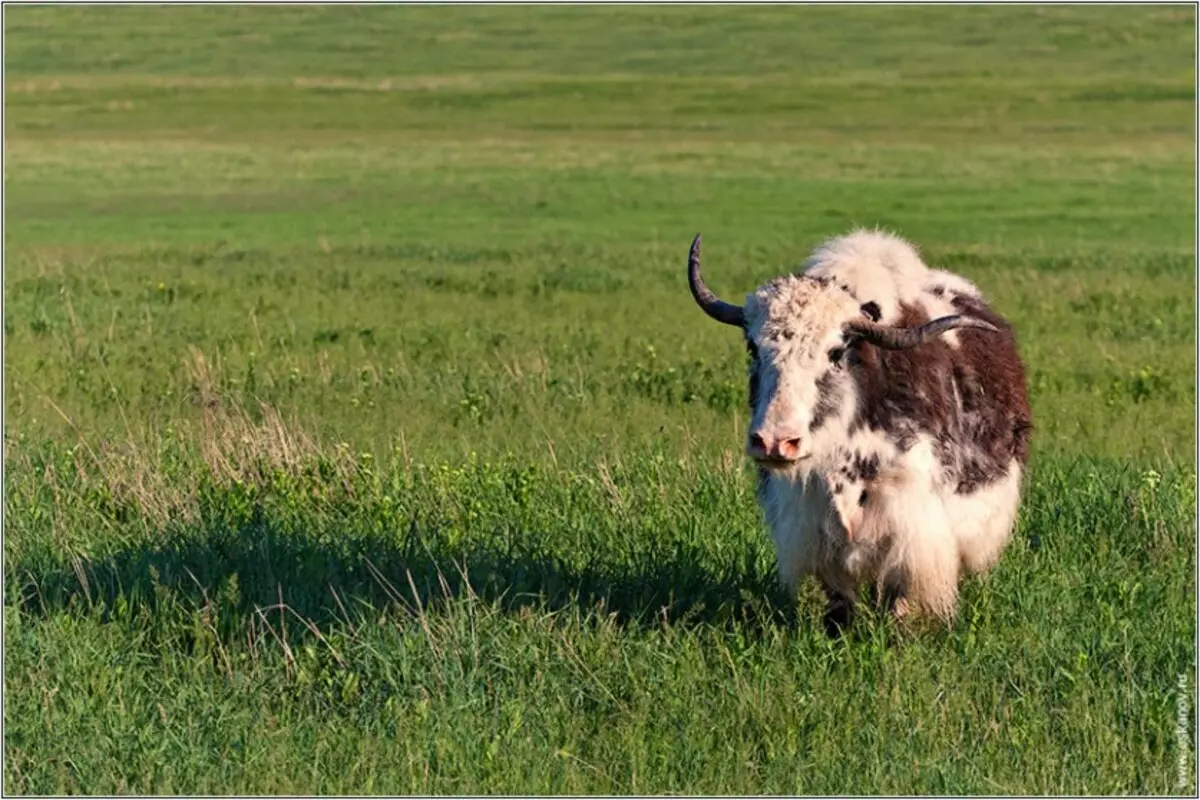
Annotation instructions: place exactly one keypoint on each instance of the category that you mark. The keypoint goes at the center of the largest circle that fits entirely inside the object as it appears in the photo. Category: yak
(889, 423)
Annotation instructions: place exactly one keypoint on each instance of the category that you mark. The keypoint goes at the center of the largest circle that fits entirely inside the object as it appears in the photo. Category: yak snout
(766, 446)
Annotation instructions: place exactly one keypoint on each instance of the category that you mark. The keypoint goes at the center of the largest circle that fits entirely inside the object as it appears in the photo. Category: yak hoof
(838, 614)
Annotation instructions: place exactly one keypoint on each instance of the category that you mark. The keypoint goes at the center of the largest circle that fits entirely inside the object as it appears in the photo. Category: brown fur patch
(864, 468)
(972, 400)
(829, 400)
(999, 410)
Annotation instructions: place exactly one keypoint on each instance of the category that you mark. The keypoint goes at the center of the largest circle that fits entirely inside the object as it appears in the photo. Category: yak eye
(835, 355)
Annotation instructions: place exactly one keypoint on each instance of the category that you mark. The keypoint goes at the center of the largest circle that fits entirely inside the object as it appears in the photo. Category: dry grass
(232, 445)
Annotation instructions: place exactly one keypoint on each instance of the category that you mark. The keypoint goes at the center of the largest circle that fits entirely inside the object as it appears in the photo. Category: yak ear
(871, 311)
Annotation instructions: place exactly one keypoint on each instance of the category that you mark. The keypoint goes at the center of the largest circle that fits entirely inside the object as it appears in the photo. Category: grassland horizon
(361, 435)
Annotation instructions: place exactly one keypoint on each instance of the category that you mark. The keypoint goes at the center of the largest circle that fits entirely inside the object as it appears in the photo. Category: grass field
(361, 435)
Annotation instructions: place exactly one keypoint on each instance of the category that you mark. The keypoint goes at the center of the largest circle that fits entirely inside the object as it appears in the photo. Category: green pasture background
(361, 434)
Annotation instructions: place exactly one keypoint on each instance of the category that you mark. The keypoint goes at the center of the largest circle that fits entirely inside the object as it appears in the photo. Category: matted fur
(911, 460)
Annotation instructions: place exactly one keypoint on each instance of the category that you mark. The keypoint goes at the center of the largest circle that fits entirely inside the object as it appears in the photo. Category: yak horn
(712, 305)
(894, 338)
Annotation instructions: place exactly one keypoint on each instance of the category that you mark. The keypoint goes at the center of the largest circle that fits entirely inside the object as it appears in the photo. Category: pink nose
(765, 446)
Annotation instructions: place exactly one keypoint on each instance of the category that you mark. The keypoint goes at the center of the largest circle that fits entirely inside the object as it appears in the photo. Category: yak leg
(839, 590)
(920, 570)
(923, 575)
(891, 595)
(793, 515)
(796, 556)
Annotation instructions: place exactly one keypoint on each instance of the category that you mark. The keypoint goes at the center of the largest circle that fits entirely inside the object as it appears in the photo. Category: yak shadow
(326, 578)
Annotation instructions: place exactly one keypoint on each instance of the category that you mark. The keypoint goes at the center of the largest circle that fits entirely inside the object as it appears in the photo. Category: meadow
(361, 435)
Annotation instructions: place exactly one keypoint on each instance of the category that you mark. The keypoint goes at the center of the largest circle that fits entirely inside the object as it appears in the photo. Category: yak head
(803, 334)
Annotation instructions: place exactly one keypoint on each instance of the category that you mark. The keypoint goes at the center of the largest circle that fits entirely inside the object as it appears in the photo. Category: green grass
(362, 436)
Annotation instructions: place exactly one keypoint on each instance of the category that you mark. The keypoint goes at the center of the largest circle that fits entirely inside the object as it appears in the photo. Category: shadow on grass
(239, 570)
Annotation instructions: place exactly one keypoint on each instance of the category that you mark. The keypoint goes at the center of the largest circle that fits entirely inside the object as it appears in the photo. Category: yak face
(799, 384)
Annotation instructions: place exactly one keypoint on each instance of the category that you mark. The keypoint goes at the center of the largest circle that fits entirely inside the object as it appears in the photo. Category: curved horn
(894, 338)
(715, 307)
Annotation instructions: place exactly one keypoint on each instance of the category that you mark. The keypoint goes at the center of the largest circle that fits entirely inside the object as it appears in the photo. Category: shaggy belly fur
(912, 537)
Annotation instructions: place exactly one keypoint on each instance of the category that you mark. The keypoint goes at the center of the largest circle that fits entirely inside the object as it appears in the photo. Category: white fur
(889, 270)
(789, 356)
(984, 520)
(914, 532)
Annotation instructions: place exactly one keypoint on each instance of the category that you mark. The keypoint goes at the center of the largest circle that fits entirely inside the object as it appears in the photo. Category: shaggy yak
(888, 420)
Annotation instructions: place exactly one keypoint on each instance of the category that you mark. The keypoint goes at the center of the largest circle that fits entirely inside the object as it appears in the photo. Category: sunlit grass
(361, 435)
